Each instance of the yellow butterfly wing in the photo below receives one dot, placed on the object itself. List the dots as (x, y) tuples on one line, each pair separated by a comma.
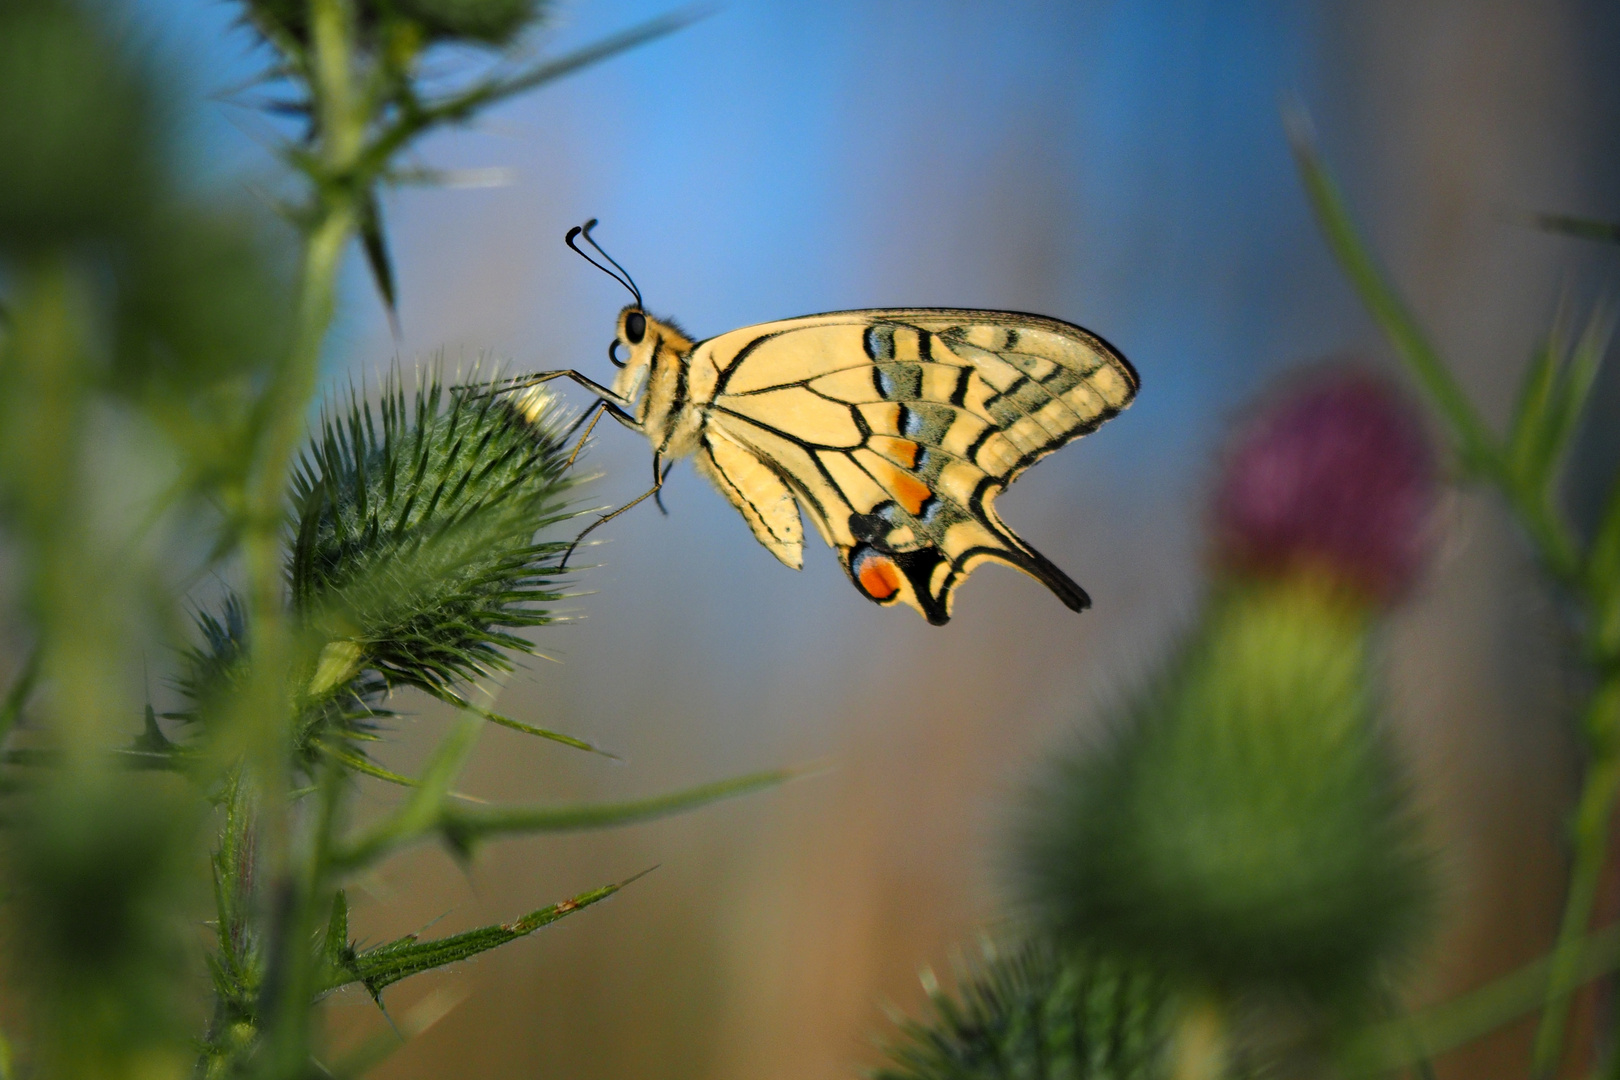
[(896, 429)]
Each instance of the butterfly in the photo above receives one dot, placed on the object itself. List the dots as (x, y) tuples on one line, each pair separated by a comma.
[(894, 429)]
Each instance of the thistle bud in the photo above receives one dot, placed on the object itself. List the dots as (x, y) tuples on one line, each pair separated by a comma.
[(416, 536), (1245, 824)]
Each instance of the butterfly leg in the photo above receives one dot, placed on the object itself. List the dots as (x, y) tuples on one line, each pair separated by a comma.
[(658, 483), (659, 474), (595, 413), (523, 382)]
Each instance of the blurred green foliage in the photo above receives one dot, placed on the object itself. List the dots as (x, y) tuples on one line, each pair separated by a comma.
[(1244, 825), (1241, 829), (78, 133), (158, 352)]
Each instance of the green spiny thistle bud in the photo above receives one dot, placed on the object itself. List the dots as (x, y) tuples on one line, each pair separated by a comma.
[(416, 539), (414, 559), (1038, 1012), (1245, 823)]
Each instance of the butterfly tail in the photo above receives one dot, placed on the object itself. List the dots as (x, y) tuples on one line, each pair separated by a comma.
[(1043, 570)]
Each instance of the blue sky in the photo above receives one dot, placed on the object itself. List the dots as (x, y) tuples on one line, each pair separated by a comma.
[(1117, 165), (1120, 165)]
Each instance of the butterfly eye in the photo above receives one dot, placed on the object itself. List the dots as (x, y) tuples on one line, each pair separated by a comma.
[(613, 353), (635, 327)]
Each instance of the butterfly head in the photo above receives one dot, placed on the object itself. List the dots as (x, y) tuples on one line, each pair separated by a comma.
[(639, 339), (639, 334)]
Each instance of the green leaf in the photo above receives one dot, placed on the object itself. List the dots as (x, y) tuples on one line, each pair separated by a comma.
[(381, 967), (1527, 438), (1582, 371), (1587, 228), (482, 22), (463, 826), (337, 950), (353, 759), (135, 760), (375, 243), (1474, 442), (1552, 401), (17, 697), (1603, 574), (529, 729), (151, 740)]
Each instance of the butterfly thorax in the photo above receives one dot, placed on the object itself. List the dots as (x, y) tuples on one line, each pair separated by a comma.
[(666, 390)]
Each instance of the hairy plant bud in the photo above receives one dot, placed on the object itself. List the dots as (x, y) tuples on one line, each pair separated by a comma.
[(1245, 822)]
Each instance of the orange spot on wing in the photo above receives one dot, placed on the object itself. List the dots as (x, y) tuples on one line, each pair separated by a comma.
[(910, 492), (880, 577), (902, 450)]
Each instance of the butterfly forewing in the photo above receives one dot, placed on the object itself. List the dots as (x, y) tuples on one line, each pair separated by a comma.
[(896, 429)]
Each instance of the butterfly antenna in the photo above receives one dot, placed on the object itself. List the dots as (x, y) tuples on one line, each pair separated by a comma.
[(622, 277)]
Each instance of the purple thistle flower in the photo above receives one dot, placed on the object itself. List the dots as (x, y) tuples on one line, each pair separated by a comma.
[(1336, 476)]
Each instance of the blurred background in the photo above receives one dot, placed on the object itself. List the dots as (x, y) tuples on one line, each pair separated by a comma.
[(1118, 165)]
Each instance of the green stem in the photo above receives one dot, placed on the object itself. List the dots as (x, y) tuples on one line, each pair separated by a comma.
[(293, 384), (270, 698), (1404, 1041), (1592, 816), (232, 1028), (42, 389), (1555, 547), (293, 976), (1201, 1047), (1557, 550)]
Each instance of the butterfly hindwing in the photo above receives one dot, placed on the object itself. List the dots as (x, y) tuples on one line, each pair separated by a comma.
[(758, 494), (896, 429)]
